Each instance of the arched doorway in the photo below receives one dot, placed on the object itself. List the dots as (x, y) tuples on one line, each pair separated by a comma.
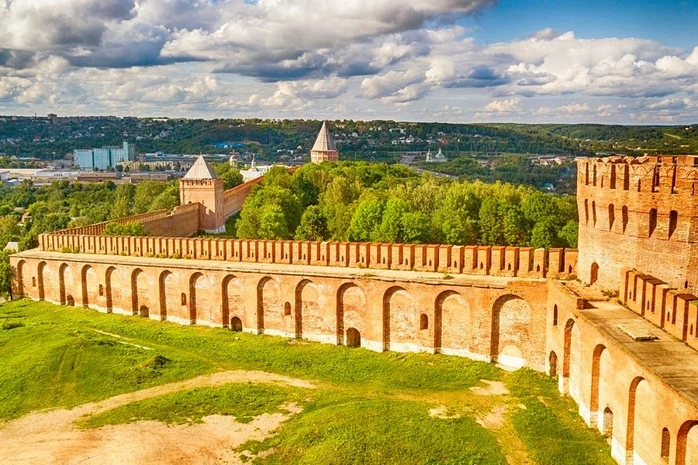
[(236, 324), (232, 301), (162, 291), (552, 362), (70, 301), (195, 283), (136, 275), (666, 445), (108, 276), (511, 327), (144, 312), (595, 381), (40, 279), (451, 324), (398, 318), (270, 309), (594, 276), (608, 424), (64, 274), (88, 280), (638, 382), (351, 303), (353, 337), (687, 443)]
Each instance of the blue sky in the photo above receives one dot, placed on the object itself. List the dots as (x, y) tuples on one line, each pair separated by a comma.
[(675, 23), (620, 62)]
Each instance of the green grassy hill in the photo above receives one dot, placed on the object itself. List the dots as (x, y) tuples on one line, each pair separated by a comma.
[(367, 408)]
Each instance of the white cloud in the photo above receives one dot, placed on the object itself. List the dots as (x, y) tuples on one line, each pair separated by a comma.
[(394, 86), (512, 105), (365, 57)]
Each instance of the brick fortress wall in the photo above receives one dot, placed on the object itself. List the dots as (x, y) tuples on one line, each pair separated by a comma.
[(639, 213), (452, 259), (489, 319), (235, 197)]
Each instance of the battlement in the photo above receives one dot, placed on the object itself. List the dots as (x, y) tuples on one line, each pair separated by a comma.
[(673, 310), (452, 259), (675, 175)]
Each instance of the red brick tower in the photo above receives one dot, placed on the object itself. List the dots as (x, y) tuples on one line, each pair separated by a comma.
[(638, 213), (202, 185)]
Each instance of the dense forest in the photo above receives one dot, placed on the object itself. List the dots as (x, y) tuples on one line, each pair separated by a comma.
[(358, 201)]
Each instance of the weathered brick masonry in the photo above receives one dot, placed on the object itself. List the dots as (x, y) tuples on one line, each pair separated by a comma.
[(631, 366)]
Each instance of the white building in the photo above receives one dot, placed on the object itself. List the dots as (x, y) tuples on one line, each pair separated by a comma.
[(438, 158)]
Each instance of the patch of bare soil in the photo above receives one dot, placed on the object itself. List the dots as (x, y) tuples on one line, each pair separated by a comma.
[(50, 437), (442, 413), (492, 388), (494, 419)]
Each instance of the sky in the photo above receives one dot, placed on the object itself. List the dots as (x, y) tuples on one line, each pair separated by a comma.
[(528, 61)]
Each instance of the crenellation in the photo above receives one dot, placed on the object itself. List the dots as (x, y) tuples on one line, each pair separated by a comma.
[(497, 258), (455, 264), (511, 261)]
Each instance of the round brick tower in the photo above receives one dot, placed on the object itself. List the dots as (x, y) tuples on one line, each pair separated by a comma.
[(638, 213)]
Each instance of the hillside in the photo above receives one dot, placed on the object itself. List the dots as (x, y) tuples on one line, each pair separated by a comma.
[(308, 403), (362, 140)]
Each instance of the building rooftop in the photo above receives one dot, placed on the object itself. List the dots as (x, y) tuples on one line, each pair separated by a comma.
[(200, 170)]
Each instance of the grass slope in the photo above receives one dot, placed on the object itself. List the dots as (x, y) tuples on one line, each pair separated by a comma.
[(368, 408), (242, 401), (357, 430)]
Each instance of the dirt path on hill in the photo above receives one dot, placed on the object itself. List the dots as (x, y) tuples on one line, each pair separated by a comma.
[(49, 437)]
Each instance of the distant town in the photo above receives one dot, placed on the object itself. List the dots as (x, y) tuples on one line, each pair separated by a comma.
[(123, 149)]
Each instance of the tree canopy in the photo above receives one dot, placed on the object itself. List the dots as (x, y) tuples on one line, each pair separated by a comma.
[(358, 201)]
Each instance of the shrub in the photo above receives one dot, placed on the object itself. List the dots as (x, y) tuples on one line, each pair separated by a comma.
[(130, 228)]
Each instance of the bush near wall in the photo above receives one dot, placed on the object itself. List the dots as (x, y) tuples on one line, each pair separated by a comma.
[(131, 228)]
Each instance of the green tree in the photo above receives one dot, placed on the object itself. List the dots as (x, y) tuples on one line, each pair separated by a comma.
[(337, 203), (514, 225), (167, 199), (308, 182), (124, 195), (457, 216), (248, 224), (9, 229), (144, 195), (6, 274), (313, 226), (367, 218), (416, 228), (391, 229), (491, 222), (569, 234), (231, 178), (272, 223)]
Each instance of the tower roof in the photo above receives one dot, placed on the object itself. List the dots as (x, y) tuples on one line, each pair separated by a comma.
[(324, 142), (200, 170)]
